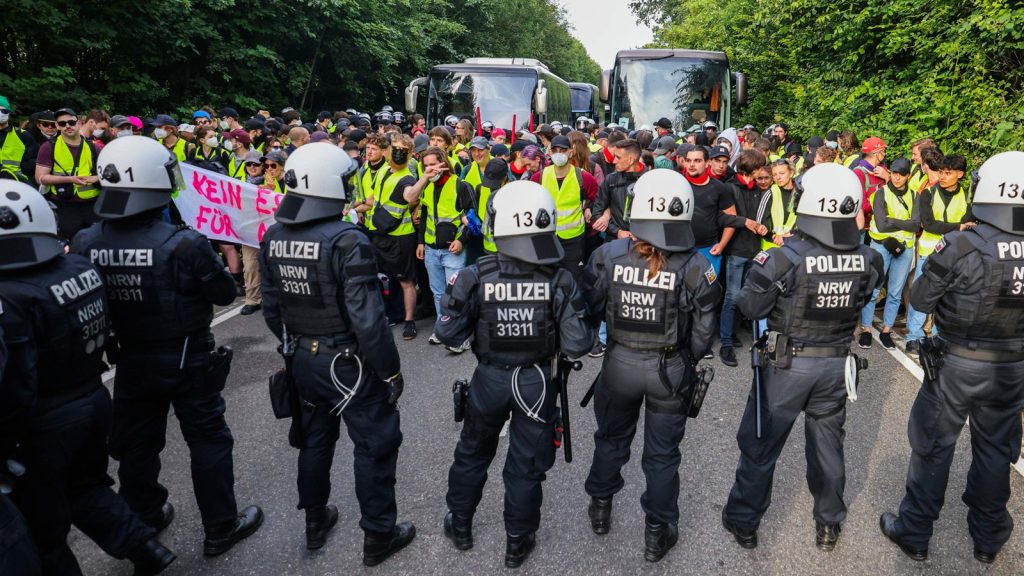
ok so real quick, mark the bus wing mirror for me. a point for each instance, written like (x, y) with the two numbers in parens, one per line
(741, 88)
(606, 84)
(412, 94)
(541, 97)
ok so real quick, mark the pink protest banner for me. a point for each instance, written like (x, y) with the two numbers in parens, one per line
(223, 208)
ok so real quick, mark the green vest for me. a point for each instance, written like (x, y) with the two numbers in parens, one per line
(783, 216)
(64, 162)
(397, 211)
(441, 209)
(850, 160)
(473, 174)
(11, 155)
(180, 149)
(898, 207)
(567, 201)
(236, 167)
(369, 183)
(484, 194)
(953, 213)
(918, 179)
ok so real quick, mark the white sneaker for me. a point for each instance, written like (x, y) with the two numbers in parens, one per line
(433, 339)
(461, 348)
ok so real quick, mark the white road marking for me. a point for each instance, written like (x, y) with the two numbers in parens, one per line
(900, 356)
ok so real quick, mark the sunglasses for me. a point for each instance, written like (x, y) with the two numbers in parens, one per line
(47, 124)
(270, 165)
(276, 147)
(252, 164)
(202, 122)
(4, 111)
(63, 123)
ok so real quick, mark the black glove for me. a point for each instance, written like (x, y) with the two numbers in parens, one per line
(396, 384)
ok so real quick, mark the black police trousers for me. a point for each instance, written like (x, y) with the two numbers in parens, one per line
(629, 378)
(67, 483)
(815, 386)
(992, 395)
(373, 425)
(147, 384)
(17, 552)
(531, 444)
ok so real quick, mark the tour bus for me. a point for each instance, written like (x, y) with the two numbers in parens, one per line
(499, 90)
(586, 101)
(686, 86)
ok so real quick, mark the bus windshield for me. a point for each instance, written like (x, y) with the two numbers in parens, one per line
(500, 96)
(582, 98)
(685, 91)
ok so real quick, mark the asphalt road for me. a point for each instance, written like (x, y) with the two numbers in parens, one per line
(876, 450)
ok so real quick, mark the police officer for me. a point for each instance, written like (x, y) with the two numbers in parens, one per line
(321, 293)
(811, 291)
(520, 309)
(972, 283)
(54, 322)
(162, 282)
(658, 296)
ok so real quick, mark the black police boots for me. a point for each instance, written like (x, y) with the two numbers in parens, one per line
(165, 519)
(745, 538)
(887, 522)
(826, 536)
(459, 530)
(600, 512)
(151, 558)
(319, 521)
(379, 547)
(984, 557)
(659, 538)
(220, 539)
(518, 548)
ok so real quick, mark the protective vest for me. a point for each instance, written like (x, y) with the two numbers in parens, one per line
(441, 209)
(642, 311)
(397, 211)
(67, 296)
(64, 165)
(11, 154)
(567, 201)
(236, 167)
(996, 312)
(852, 159)
(152, 298)
(215, 155)
(483, 194)
(369, 183)
(783, 215)
(180, 149)
(455, 161)
(953, 213)
(473, 173)
(899, 206)
(918, 179)
(517, 324)
(828, 293)
(301, 260)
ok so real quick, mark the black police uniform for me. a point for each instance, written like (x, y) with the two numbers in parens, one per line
(811, 295)
(973, 285)
(657, 326)
(162, 282)
(55, 324)
(520, 315)
(319, 283)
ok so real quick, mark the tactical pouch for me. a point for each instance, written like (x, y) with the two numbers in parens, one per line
(280, 395)
(445, 233)
(460, 393)
(699, 390)
(931, 358)
(779, 350)
(894, 246)
(219, 367)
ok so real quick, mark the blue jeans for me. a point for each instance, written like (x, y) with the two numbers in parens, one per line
(441, 265)
(898, 269)
(716, 261)
(736, 268)
(915, 319)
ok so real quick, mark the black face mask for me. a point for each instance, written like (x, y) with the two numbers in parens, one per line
(399, 156)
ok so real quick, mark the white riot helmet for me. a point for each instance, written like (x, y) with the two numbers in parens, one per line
(316, 176)
(28, 228)
(522, 219)
(136, 174)
(828, 207)
(999, 196)
(661, 210)
(582, 122)
(451, 120)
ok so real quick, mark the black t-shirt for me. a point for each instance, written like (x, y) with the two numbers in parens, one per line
(709, 201)
(396, 194)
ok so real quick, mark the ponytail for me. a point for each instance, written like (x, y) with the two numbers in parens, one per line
(655, 257)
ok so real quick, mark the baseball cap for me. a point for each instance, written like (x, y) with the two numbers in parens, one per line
(5, 103)
(665, 145)
(602, 134)
(544, 129)
(718, 152)
(495, 171)
(664, 123)
(499, 150)
(420, 143)
(872, 145)
(324, 115)
(519, 145)
(560, 142)
(319, 136)
(200, 114)
(524, 135)
(228, 113)
(815, 142)
(65, 112)
(276, 156)
(709, 124)
(252, 156)
(187, 128)
(357, 135)
(164, 120)
(255, 124)
(116, 120)
(240, 135)
(900, 166)
(136, 122)
(480, 143)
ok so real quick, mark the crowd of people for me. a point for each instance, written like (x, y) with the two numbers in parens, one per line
(642, 247)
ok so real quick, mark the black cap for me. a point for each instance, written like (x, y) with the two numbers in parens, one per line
(163, 120)
(519, 145)
(900, 166)
(602, 134)
(718, 152)
(832, 135)
(357, 135)
(494, 173)
(323, 115)
(66, 112)
(499, 150)
(255, 124)
(560, 142)
(664, 123)
(815, 142)
(44, 115)
(228, 113)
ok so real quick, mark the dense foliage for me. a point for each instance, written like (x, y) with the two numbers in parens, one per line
(176, 55)
(900, 69)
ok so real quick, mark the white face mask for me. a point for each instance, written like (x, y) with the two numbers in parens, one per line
(160, 133)
(125, 132)
(212, 142)
(4, 118)
(229, 145)
(434, 178)
(98, 133)
(560, 159)
(224, 125)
